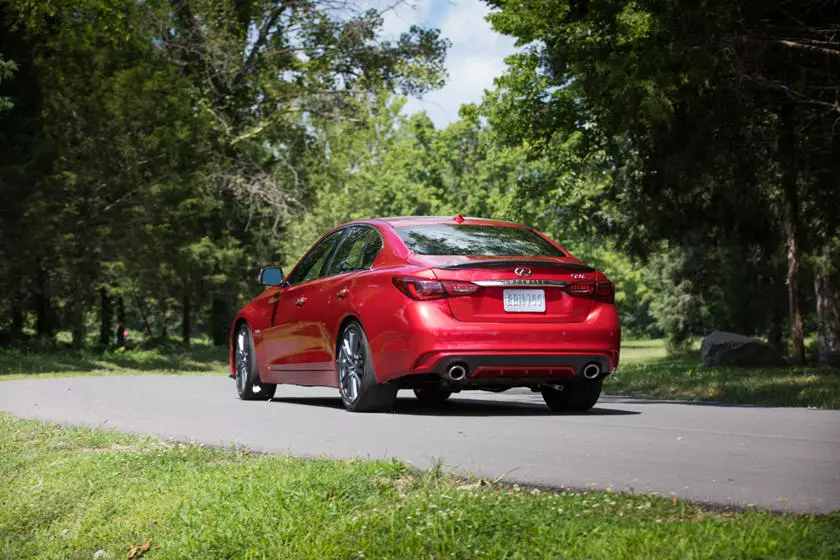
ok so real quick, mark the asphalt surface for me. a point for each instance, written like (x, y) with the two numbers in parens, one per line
(779, 458)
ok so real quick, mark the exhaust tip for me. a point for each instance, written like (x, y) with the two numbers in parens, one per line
(456, 372)
(592, 370)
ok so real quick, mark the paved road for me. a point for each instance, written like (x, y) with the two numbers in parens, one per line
(773, 457)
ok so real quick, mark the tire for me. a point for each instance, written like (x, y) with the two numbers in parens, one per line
(356, 381)
(432, 396)
(576, 396)
(248, 383)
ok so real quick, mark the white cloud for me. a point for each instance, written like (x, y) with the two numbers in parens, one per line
(474, 60)
(400, 16)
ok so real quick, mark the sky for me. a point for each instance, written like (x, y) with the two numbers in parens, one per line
(475, 58)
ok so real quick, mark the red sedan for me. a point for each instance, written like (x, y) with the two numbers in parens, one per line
(434, 304)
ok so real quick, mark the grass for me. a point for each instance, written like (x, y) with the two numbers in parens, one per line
(647, 371)
(641, 350)
(19, 362)
(70, 492)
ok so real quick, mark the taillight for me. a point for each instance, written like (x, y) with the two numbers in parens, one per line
(602, 291)
(419, 288)
(605, 291)
(422, 288)
(581, 289)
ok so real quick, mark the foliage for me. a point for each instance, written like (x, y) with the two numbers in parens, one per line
(74, 491)
(682, 106)
(154, 144)
(7, 70)
(387, 164)
(162, 152)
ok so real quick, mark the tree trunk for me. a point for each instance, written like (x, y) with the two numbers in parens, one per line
(77, 319)
(17, 319)
(44, 324)
(105, 317)
(827, 288)
(164, 327)
(120, 321)
(186, 320)
(220, 318)
(144, 316)
(43, 317)
(790, 197)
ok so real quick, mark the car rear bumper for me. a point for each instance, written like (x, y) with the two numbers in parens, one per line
(507, 354)
(513, 365)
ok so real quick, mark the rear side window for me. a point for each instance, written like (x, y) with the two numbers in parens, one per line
(374, 245)
(348, 256)
(490, 241)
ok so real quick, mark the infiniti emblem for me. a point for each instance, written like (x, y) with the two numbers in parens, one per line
(522, 271)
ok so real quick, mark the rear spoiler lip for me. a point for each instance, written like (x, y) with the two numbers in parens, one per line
(502, 263)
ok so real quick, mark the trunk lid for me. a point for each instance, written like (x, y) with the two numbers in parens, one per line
(515, 290)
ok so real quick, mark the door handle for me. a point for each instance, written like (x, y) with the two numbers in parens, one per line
(300, 301)
(342, 293)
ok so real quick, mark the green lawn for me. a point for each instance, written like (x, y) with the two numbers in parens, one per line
(16, 363)
(647, 371)
(642, 350)
(70, 492)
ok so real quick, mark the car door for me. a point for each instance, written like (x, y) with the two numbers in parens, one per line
(295, 329)
(337, 289)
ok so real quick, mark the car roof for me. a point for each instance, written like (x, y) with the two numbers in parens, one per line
(403, 221)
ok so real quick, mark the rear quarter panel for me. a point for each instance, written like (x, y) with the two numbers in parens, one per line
(384, 313)
(381, 309)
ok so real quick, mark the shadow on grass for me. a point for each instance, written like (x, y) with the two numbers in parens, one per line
(461, 407)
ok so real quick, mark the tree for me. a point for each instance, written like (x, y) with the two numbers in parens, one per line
(157, 145)
(684, 105)
(262, 71)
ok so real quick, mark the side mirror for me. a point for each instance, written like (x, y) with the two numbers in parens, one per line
(271, 276)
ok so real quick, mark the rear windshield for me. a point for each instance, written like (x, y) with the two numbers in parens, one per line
(490, 241)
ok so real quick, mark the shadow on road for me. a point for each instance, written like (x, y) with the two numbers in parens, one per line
(617, 399)
(462, 407)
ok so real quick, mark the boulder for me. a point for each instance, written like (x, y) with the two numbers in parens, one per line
(729, 349)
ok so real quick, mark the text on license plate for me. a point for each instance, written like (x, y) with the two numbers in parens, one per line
(525, 301)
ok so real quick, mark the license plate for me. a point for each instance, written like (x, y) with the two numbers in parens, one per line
(524, 301)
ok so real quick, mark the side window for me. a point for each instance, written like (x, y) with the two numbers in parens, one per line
(371, 250)
(348, 255)
(311, 266)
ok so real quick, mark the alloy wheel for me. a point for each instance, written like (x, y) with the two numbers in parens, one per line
(242, 359)
(351, 364)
